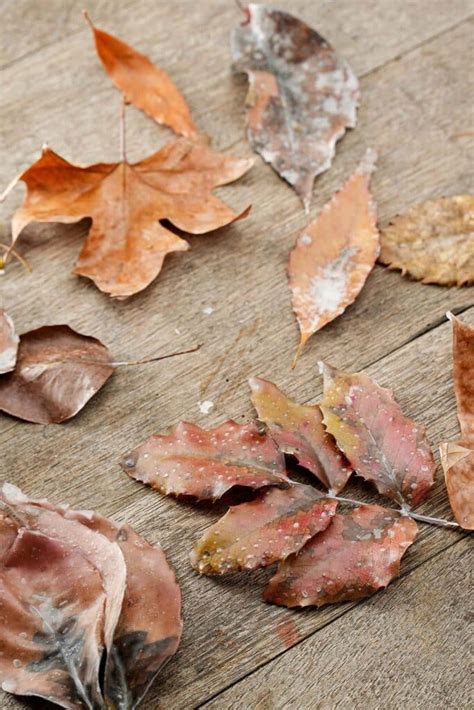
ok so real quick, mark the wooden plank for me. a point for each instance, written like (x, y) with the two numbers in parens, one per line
(229, 631)
(406, 647)
(240, 272)
(375, 33)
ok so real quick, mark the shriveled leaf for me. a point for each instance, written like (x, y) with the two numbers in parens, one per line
(57, 372)
(298, 430)
(268, 529)
(463, 375)
(381, 444)
(8, 343)
(205, 464)
(59, 523)
(142, 83)
(301, 99)
(52, 610)
(356, 555)
(457, 459)
(149, 629)
(433, 242)
(126, 246)
(334, 254)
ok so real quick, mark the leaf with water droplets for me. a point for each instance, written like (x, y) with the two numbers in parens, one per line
(457, 457)
(52, 606)
(433, 242)
(334, 254)
(8, 343)
(207, 463)
(268, 529)
(142, 83)
(356, 555)
(298, 430)
(57, 372)
(302, 96)
(381, 444)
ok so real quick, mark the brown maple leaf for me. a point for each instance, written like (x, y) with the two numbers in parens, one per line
(126, 246)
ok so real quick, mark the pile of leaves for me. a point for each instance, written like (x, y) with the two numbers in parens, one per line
(326, 553)
(90, 610)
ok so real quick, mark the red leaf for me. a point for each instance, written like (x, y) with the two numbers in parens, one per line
(381, 444)
(205, 464)
(298, 430)
(268, 529)
(463, 366)
(8, 343)
(57, 372)
(356, 555)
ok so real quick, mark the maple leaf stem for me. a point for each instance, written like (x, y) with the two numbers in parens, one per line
(127, 363)
(416, 516)
(8, 249)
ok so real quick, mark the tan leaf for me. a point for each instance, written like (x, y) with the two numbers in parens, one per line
(463, 374)
(334, 254)
(433, 242)
(8, 343)
(127, 245)
(142, 83)
(56, 374)
(302, 96)
(457, 459)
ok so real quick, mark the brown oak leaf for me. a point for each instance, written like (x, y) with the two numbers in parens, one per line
(301, 99)
(126, 246)
(356, 555)
(433, 242)
(334, 254)
(9, 341)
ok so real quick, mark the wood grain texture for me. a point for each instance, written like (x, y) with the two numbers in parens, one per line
(386, 653)
(415, 107)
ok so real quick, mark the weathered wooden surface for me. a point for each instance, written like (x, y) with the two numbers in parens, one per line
(416, 110)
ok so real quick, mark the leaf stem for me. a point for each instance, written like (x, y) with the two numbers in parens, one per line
(124, 363)
(416, 516)
(8, 249)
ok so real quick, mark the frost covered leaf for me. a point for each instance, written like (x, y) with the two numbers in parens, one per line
(57, 372)
(301, 99)
(356, 555)
(149, 628)
(126, 246)
(381, 444)
(334, 254)
(8, 343)
(433, 242)
(205, 464)
(457, 457)
(268, 529)
(142, 83)
(52, 606)
(298, 430)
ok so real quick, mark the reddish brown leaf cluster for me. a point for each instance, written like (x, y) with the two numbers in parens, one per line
(325, 556)
(127, 243)
(91, 611)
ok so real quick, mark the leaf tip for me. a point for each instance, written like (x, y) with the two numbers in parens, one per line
(368, 163)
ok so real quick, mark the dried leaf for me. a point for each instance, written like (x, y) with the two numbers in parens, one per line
(57, 372)
(433, 242)
(268, 529)
(356, 555)
(52, 607)
(8, 343)
(457, 459)
(301, 99)
(142, 83)
(298, 430)
(126, 246)
(381, 444)
(149, 628)
(205, 464)
(334, 254)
